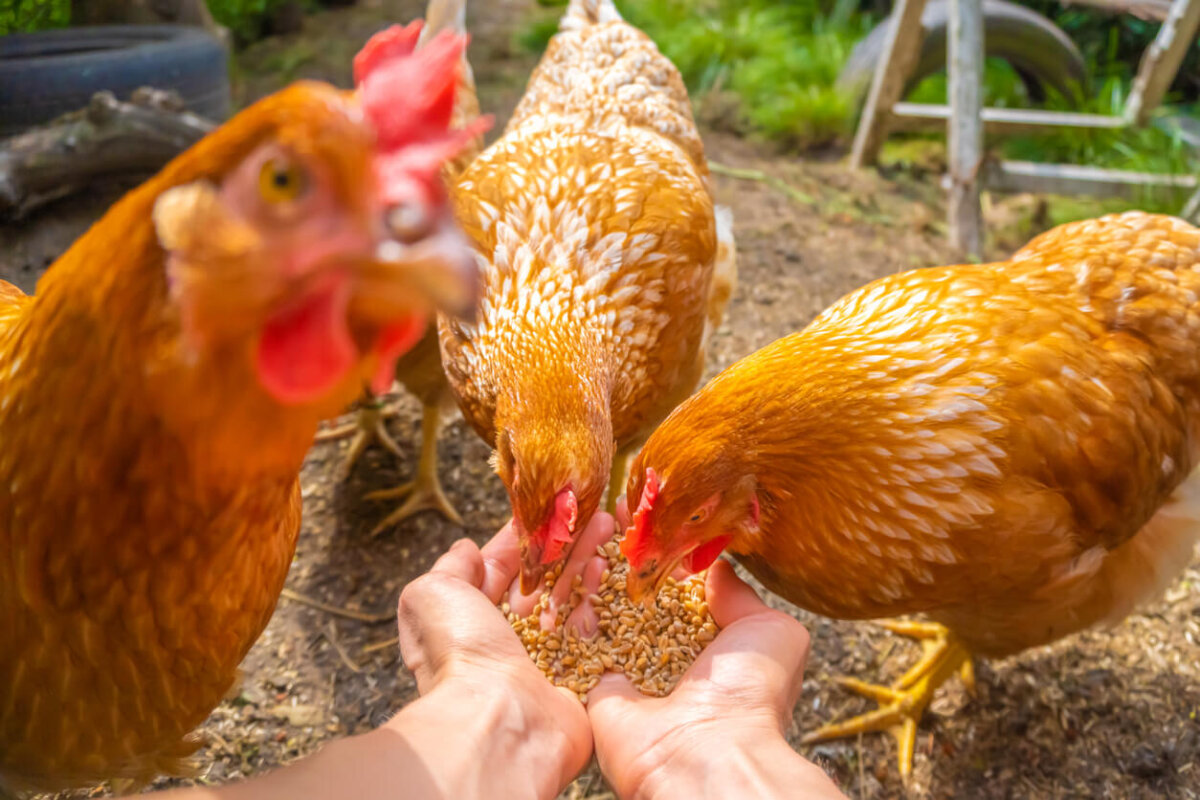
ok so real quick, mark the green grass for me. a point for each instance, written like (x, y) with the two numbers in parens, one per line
(775, 64)
(778, 60)
(20, 16)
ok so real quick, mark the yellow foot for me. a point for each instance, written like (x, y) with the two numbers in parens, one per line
(902, 704)
(423, 495)
(369, 427)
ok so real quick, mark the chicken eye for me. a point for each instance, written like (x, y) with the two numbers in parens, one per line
(280, 181)
(699, 516)
(409, 222)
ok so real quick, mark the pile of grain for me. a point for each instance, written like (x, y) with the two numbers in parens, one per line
(653, 647)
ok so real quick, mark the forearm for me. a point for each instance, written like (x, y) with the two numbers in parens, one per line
(437, 747)
(765, 769)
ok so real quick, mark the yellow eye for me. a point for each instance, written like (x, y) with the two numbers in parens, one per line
(699, 516)
(280, 181)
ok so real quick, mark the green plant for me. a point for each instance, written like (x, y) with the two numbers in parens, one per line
(18, 16)
(247, 18)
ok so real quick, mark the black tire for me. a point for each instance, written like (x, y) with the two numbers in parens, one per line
(46, 74)
(1040, 53)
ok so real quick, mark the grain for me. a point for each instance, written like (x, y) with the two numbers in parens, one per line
(653, 647)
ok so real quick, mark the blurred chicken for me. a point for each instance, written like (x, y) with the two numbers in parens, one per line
(603, 262)
(420, 371)
(160, 391)
(1008, 448)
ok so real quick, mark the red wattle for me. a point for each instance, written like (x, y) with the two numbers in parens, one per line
(306, 349)
(637, 537)
(703, 556)
(560, 527)
(395, 341)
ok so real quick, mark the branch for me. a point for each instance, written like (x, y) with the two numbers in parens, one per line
(106, 139)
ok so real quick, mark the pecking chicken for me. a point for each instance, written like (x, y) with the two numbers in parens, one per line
(1007, 448)
(604, 265)
(420, 370)
(159, 392)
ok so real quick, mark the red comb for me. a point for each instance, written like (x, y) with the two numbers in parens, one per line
(396, 41)
(637, 537)
(408, 95)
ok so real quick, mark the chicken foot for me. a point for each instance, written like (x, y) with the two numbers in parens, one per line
(368, 427)
(902, 704)
(424, 491)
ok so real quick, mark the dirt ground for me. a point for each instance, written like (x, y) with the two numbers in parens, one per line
(1112, 714)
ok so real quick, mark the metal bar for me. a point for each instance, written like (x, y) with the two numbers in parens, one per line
(1072, 179)
(914, 117)
(1161, 61)
(965, 56)
(896, 63)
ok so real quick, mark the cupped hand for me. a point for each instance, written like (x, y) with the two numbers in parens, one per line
(722, 726)
(466, 658)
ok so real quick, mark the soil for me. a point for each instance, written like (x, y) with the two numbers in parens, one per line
(1101, 714)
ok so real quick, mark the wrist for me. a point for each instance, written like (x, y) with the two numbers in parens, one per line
(483, 743)
(756, 762)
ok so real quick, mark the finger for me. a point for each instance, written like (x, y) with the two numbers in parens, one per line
(622, 513)
(598, 532)
(522, 604)
(729, 597)
(463, 561)
(584, 618)
(501, 562)
(612, 693)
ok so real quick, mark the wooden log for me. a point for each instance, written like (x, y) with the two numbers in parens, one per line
(1162, 60)
(895, 64)
(105, 139)
(965, 57)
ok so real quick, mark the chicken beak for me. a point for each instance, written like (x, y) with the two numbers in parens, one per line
(643, 585)
(440, 266)
(532, 568)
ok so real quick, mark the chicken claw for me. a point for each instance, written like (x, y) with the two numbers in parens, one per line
(368, 427)
(902, 704)
(424, 491)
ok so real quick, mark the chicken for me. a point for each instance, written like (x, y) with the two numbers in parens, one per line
(604, 265)
(159, 392)
(1007, 448)
(420, 371)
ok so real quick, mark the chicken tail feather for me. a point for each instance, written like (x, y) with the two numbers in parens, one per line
(582, 13)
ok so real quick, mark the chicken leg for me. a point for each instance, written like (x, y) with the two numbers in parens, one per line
(902, 704)
(424, 491)
(368, 427)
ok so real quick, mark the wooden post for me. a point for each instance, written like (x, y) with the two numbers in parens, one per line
(896, 63)
(965, 57)
(1162, 59)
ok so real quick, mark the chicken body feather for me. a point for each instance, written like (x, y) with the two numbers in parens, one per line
(1006, 447)
(594, 223)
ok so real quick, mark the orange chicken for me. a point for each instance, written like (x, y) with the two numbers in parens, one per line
(604, 265)
(420, 370)
(159, 392)
(1007, 448)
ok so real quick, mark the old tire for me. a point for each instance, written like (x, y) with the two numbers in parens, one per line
(1042, 55)
(46, 74)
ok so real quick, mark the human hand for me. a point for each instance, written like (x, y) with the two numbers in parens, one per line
(720, 732)
(523, 735)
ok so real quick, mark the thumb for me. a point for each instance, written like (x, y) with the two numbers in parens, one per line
(729, 597)
(613, 697)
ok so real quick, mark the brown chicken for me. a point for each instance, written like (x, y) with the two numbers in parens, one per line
(420, 370)
(604, 263)
(1006, 448)
(158, 395)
